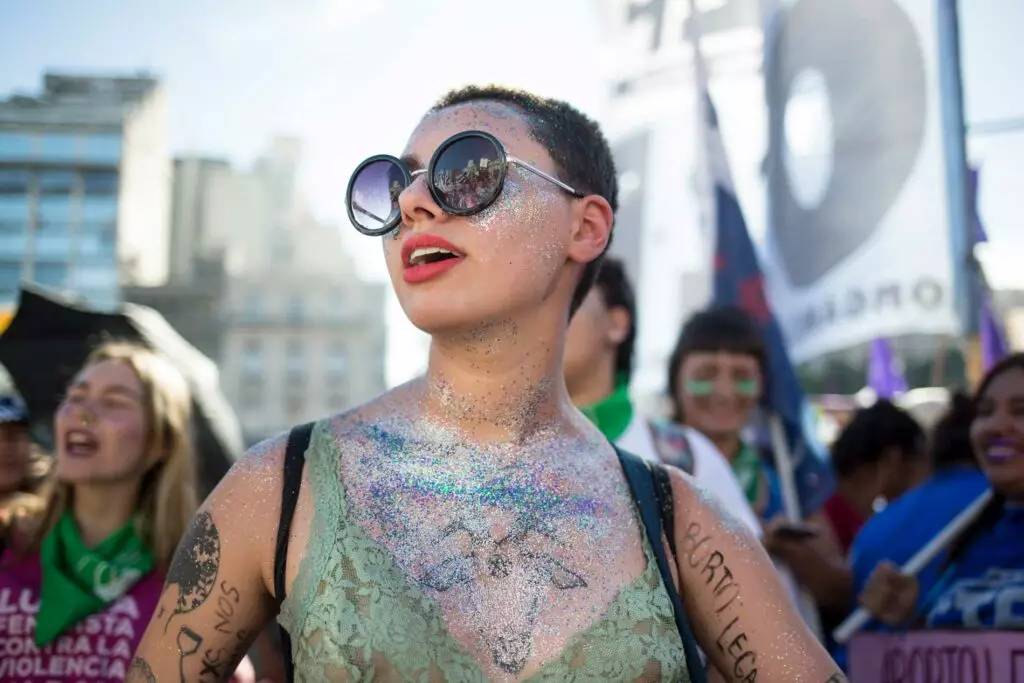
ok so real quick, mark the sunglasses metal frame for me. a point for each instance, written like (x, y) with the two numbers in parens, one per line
(409, 176)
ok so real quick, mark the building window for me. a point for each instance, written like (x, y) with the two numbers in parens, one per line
(56, 182)
(99, 209)
(101, 147)
(14, 208)
(252, 358)
(295, 361)
(100, 182)
(294, 403)
(96, 241)
(337, 361)
(52, 274)
(16, 145)
(252, 393)
(337, 398)
(95, 276)
(252, 308)
(13, 241)
(336, 305)
(296, 311)
(14, 181)
(54, 209)
(52, 241)
(10, 275)
(59, 147)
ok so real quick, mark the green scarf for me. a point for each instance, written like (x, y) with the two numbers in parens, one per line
(747, 468)
(79, 581)
(613, 413)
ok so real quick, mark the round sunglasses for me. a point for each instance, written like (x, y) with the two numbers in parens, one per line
(465, 175)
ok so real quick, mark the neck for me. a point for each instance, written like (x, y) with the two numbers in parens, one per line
(728, 444)
(99, 512)
(594, 386)
(499, 382)
(858, 494)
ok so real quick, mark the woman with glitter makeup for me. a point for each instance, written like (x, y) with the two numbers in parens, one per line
(472, 525)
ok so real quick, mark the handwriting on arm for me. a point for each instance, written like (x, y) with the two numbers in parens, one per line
(215, 664)
(713, 568)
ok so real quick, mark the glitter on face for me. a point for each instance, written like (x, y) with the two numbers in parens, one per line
(485, 487)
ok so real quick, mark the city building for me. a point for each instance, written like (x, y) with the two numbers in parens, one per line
(302, 341)
(297, 335)
(84, 187)
(195, 306)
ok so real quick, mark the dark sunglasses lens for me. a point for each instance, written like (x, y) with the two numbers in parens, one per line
(467, 173)
(374, 196)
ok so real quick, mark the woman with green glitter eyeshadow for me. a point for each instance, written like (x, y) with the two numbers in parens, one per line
(598, 368)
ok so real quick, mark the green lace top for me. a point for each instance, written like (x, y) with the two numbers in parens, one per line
(354, 615)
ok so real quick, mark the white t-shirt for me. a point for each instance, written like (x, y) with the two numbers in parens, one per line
(710, 468)
(712, 471)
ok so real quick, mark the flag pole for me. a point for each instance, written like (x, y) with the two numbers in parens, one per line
(965, 265)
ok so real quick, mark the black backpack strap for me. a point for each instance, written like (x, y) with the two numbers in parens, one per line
(654, 501)
(294, 459)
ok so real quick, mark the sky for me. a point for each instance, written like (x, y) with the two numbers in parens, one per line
(352, 77)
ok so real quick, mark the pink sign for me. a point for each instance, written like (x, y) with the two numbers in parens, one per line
(938, 657)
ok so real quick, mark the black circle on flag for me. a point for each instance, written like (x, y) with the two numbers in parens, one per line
(870, 58)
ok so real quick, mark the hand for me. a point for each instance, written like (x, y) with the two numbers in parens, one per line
(785, 546)
(890, 597)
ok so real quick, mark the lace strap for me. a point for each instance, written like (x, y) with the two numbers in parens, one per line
(647, 485)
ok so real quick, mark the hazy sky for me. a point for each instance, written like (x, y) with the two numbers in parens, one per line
(351, 78)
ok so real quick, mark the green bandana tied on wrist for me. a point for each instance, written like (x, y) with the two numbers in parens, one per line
(613, 414)
(79, 581)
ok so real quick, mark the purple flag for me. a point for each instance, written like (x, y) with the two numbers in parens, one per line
(990, 332)
(884, 378)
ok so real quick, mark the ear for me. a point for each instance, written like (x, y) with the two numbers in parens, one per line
(620, 322)
(592, 229)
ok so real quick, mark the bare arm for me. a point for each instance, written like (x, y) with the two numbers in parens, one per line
(216, 600)
(742, 617)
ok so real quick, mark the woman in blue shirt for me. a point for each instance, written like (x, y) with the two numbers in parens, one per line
(981, 585)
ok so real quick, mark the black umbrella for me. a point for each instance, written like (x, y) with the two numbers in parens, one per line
(50, 337)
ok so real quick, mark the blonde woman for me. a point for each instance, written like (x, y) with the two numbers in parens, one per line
(79, 585)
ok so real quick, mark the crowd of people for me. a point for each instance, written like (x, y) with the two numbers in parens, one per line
(513, 514)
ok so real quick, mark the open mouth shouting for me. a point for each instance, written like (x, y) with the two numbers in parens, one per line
(427, 256)
(80, 443)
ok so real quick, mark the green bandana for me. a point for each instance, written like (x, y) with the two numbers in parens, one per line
(79, 581)
(747, 468)
(613, 413)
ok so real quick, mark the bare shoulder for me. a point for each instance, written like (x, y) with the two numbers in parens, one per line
(743, 617)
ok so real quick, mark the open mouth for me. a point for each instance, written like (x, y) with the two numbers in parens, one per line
(1000, 451)
(425, 255)
(79, 443)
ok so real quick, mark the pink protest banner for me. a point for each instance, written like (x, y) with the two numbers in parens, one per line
(938, 657)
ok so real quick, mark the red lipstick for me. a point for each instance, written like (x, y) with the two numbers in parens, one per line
(425, 257)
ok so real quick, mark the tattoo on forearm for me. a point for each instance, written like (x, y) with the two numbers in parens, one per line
(193, 570)
(714, 570)
(215, 664)
(140, 672)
